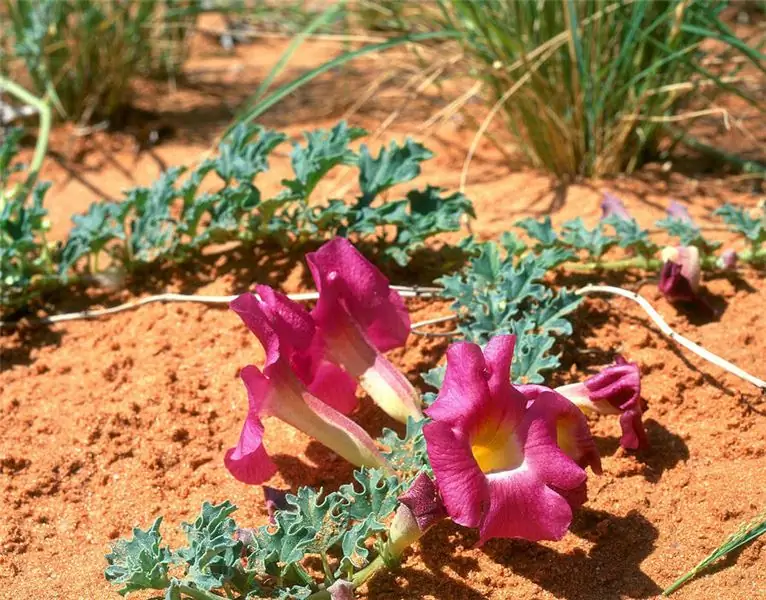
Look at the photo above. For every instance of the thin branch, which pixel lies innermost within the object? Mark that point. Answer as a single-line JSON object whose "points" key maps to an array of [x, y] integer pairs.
{"points": [[673, 335], [433, 321], [404, 291]]}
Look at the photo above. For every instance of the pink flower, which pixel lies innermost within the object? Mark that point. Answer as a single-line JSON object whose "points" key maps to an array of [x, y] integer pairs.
{"points": [[360, 317], [680, 275], [505, 462], [420, 508], [612, 205], [614, 391], [292, 370]]}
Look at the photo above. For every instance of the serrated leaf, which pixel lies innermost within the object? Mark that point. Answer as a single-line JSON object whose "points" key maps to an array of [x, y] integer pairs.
{"points": [[435, 377], [353, 544], [739, 220], [139, 563], [532, 356], [323, 151], [550, 316], [513, 245], [593, 241], [376, 498], [393, 165], [630, 235], [212, 553], [407, 455], [319, 521], [687, 233], [295, 592], [541, 231], [240, 158]]}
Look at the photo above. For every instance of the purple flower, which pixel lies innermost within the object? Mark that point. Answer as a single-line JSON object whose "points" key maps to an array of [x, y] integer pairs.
{"points": [[503, 461], [616, 390], [360, 317], [676, 210], [612, 205], [728, 259], [282, 389], [680, 274], [420, 508]]}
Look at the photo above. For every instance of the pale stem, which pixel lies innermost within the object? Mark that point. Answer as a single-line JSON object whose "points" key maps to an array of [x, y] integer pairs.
{"points": [[673, 335]]}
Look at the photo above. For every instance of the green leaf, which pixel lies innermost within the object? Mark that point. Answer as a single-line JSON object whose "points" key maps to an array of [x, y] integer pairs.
{"points": [[353, 544], [406, 455], [395, 164], [687, 232], [323, 151], [140, 563], [541, 231], [376, 498], [295, 592], [435, 377], [319, 520], [739, 220], [593, 241], [550, 317], [532, 356], [212, 553], [241, 159], [631, 236]]}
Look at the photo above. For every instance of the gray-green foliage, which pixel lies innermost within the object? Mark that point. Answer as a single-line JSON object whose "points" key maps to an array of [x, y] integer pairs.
{"points": [[25, 255], [176, 217], [344, 523], [501, 292]]}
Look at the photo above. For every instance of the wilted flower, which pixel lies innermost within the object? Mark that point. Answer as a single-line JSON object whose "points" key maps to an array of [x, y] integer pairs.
{"points": [[676, 210], [275, 500], [503, 462], [680, 274], [420, 508], [341, 590], [612, 205], [360, 317], [614, 391], [288, 336]]}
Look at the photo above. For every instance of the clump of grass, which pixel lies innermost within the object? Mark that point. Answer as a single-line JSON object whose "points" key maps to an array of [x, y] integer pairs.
{"points": [[83, 54], [594, 87], [746, 533]]}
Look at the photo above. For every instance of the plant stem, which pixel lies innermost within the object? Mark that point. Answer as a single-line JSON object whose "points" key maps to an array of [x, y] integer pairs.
{"points": [[43, 133], [676, 337]]}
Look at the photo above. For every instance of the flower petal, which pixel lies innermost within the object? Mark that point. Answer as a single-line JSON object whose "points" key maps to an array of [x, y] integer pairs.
{"points": [[462, 485], [674, 286], [336, 388], [522, 506], [348, 282], [676, 210]]}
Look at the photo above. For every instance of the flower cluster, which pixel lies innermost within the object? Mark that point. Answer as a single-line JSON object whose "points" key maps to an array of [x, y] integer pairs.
{"points": [[315, 359], [509, 460]]}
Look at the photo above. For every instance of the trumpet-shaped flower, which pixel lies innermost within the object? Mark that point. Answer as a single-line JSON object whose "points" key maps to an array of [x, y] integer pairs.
{"points": [[680, 274], [505, 462], [360, 317], [728, 259], [612, 205], [614, 391], [288, 336]]}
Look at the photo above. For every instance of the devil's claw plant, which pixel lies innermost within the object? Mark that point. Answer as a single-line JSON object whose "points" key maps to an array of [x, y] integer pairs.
{"points": [[174, 219], [485, 452]]}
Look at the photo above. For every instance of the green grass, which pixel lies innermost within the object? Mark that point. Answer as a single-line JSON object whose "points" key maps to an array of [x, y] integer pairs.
{"points": [[83, 54]]}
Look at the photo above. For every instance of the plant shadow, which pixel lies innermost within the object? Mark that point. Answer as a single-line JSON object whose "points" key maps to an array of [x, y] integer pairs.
{"points": [[610, 570]]}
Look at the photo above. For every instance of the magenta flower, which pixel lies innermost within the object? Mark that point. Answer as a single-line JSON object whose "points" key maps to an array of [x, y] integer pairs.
{"points": [[283, 389], [360, 317], [420, 508], [614, 391], [612, 205], [502, 460], [680, 274]]}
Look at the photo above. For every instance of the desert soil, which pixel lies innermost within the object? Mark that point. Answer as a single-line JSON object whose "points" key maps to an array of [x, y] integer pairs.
{"points": [[108, 424]]}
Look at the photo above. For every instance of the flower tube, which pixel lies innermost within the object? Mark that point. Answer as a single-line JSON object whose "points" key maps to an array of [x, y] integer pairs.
{"points": [[287, 334], [495, 453], [360, 317], [614, 391]]}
